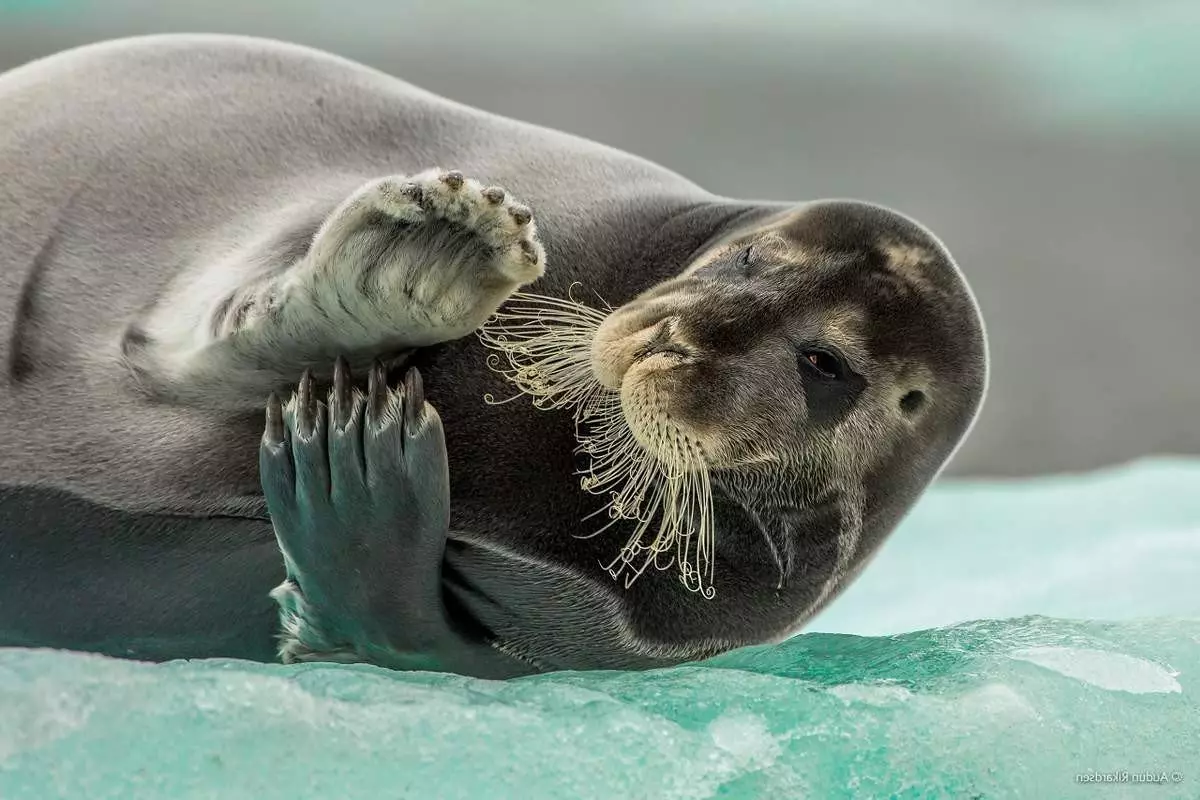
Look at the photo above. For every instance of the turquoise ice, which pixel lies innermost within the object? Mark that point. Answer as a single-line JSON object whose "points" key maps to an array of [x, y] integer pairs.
{"points": [[1021, 691], [1122, 543]]}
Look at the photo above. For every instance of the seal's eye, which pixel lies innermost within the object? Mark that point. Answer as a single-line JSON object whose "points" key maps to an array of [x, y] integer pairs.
{"points": [[745, 259], [822, 362]]}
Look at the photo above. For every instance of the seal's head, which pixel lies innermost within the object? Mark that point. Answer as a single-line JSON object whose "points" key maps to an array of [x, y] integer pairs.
{"points": [[813, 372]]}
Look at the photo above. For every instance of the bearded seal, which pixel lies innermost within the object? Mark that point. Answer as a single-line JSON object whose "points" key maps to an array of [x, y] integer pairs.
{"points": [[193, 224]]}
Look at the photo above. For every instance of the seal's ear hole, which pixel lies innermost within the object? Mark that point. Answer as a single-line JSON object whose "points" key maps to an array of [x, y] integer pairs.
{"points": [[912, 402]]}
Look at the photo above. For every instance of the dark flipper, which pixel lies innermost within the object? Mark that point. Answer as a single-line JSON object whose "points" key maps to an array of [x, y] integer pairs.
{"points": [[359, 495]]}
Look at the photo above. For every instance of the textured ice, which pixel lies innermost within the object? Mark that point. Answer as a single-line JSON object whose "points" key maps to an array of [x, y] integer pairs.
{"points": [[984, 709], [1021, 706]]}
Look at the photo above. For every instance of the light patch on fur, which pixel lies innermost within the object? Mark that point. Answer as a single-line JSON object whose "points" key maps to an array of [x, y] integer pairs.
{"points": [[544, 348], [843, 326], [909, 261], [777, 247], [784, 254]]}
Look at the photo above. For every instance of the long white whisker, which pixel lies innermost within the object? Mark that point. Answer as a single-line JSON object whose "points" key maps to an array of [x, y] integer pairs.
{"points": [[543, 346]]}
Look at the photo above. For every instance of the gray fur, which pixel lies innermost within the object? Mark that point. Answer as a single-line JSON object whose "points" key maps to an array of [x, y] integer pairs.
{"points": [[153, 181]]}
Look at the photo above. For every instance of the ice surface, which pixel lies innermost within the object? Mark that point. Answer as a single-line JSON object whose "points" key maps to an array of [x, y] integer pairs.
{"points": [[983, 709], [986, 709], [1123, 543]]}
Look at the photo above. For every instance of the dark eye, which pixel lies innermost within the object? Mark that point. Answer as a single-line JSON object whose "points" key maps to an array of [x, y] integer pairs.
{"points": [[744, 258], [822, 362]]}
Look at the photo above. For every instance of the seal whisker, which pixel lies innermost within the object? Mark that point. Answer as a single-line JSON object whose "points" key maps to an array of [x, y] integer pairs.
{"points": [[543, 346]]}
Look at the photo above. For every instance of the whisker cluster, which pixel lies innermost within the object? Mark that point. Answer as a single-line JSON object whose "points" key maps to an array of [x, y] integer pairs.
{"points": [[543, 347]]}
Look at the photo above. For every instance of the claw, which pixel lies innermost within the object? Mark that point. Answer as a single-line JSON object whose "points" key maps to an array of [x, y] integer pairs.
{"points": [[413, 192], [453, 179], [414, 400], [377, 396], [274, 431], [305, 408], [494, 195], [340, 399], [521, 214], [529, 251]]}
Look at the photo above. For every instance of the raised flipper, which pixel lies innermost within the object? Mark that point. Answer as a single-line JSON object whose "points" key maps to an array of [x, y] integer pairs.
{"points": [[403, 262], [359, 495]]}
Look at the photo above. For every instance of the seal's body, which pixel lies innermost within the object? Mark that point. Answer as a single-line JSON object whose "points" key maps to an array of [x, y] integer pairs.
{"points": [[155, 195]]}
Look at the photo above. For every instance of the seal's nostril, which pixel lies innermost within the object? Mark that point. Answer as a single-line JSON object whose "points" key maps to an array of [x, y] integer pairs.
{"points": [[664, 341], [667, 347]]}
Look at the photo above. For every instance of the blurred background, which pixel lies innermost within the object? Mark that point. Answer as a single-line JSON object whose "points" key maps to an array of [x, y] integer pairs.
{"points": [[1053, 146]]}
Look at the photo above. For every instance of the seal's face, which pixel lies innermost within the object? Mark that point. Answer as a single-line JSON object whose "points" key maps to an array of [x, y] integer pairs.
{"points": [[817, 370], [790, 345]]}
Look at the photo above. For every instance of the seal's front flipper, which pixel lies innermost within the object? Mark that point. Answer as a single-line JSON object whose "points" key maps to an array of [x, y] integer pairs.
{"points": [[359, 495], [402, 262]]}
